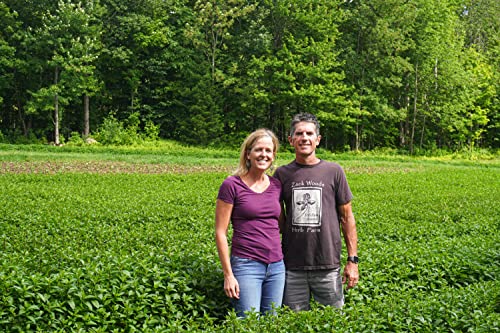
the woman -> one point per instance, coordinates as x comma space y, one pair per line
254, 273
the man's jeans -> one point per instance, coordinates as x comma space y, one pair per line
324, 285
261, 285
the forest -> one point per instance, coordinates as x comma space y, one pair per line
412, 75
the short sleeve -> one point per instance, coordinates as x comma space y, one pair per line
343, 193
227, 191
276, 174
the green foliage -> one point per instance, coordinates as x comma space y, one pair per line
128, 132
412, 75
7, 52
112, 132
98, 266
75, 139
98, 250
151, 131
17, 137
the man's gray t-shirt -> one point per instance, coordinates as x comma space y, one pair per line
311, 193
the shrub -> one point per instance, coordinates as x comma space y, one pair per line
111, 132
115, 132
75, 139
151, 131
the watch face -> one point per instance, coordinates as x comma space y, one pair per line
353, 259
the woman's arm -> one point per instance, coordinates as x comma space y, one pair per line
222, 218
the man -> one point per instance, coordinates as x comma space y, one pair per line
317, 205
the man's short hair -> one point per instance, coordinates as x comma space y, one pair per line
307, 117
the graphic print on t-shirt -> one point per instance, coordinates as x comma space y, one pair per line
306, 206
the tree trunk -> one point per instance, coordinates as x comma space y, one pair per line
360, 107
86, 116
415, 110
21, 119
406, 123
422, 134
358, 135
402, 141
56, 109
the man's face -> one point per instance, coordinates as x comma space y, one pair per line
304, 139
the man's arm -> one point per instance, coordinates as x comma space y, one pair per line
348, 225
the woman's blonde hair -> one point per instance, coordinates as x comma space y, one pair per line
248, 144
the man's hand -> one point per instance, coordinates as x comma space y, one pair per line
351, 275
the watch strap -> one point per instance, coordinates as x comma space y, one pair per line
353, 259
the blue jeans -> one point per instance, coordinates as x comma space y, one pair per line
261, 285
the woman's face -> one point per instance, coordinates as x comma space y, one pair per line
261, 155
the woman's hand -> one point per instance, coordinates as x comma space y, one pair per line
231, 287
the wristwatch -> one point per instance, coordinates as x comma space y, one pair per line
353, 259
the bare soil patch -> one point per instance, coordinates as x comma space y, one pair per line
103, 167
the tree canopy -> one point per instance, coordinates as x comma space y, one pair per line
412, 74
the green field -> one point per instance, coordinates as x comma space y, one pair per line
121, 240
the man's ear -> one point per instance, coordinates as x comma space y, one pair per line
290, 140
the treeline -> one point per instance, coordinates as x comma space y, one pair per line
405, 74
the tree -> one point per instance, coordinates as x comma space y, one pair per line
147, 62
378, 41
298, 71
410, 74
407, 70
210, 33
8, 25
66, 43
17, 25
482, 29
86, 48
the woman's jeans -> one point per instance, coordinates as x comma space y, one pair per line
261, 285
